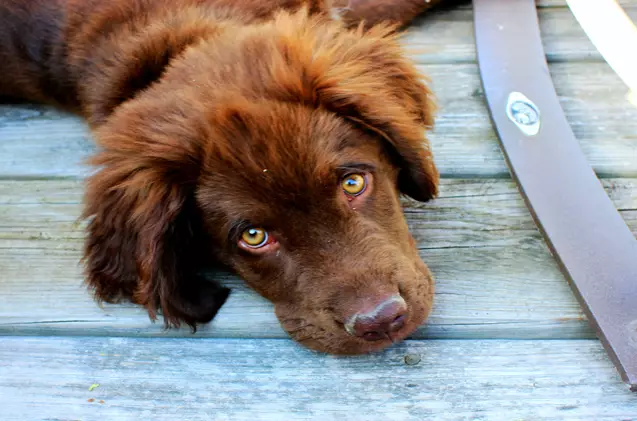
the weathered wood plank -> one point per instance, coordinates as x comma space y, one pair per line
477, 297
495, 276
168, 379
562, 3
40, 142
593, 99
548, 3
467, 213
447, 36
542, 4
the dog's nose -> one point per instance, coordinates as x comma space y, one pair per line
378, 323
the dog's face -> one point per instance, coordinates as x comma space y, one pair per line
305, 207
282, 155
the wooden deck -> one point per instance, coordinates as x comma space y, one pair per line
507, 340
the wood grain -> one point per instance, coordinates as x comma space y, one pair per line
561, 3
495, 277
447, 36
38, 142
202, 379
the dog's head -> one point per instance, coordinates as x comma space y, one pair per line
281, 151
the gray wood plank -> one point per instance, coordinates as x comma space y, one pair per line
562, 3
168, 379
495, 277
41, 142
447, 36
592, 96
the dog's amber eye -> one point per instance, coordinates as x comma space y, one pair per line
255, 237
354, 184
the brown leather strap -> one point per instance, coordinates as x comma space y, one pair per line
591, 242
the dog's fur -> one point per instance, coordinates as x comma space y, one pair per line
215, 115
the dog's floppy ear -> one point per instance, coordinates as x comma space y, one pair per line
144, 235
366, 77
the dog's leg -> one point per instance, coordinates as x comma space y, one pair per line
262, 10
372, 12
31, 52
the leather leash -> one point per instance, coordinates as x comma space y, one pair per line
588, 237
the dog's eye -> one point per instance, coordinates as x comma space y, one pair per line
354, 184
255, 237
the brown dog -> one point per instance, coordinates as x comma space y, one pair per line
267, 136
